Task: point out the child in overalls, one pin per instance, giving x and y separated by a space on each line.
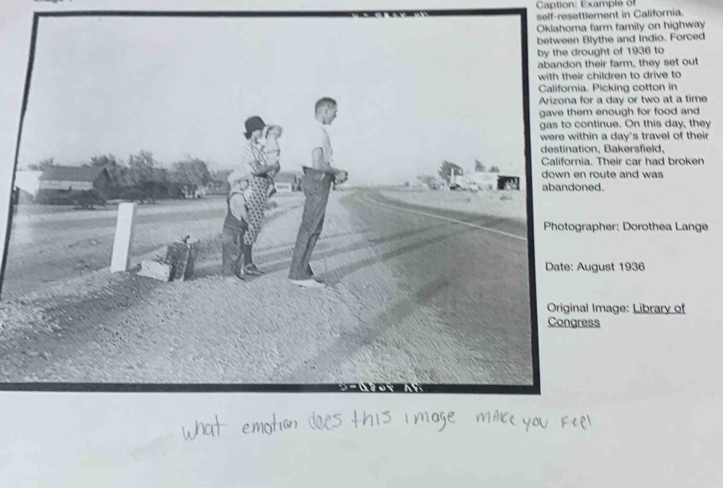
234 228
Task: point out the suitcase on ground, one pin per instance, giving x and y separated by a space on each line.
181 256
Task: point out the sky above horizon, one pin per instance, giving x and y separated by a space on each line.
411 92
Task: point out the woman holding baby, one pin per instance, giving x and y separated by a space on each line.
251 186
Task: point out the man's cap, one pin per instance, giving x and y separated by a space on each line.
254 123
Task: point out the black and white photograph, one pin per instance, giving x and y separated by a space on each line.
330 201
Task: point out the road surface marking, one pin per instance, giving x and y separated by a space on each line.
461 222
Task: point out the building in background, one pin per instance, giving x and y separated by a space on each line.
485 180
62 184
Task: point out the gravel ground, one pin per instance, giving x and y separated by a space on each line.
120 327
412 299
503 204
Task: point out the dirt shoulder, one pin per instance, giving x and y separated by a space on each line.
385 317
121 327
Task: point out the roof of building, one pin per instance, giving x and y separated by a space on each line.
73 173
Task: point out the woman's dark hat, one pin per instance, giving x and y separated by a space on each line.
254 123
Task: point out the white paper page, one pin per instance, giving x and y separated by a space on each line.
520 275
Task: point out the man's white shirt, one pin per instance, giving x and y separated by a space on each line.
317 136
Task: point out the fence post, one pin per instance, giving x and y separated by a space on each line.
123 241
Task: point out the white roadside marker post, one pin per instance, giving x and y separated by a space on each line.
123 240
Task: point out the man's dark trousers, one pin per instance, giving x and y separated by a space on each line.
232 244
316 186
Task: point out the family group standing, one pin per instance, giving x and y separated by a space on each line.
253 184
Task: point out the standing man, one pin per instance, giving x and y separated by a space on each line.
316 184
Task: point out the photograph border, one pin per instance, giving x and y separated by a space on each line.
378 387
